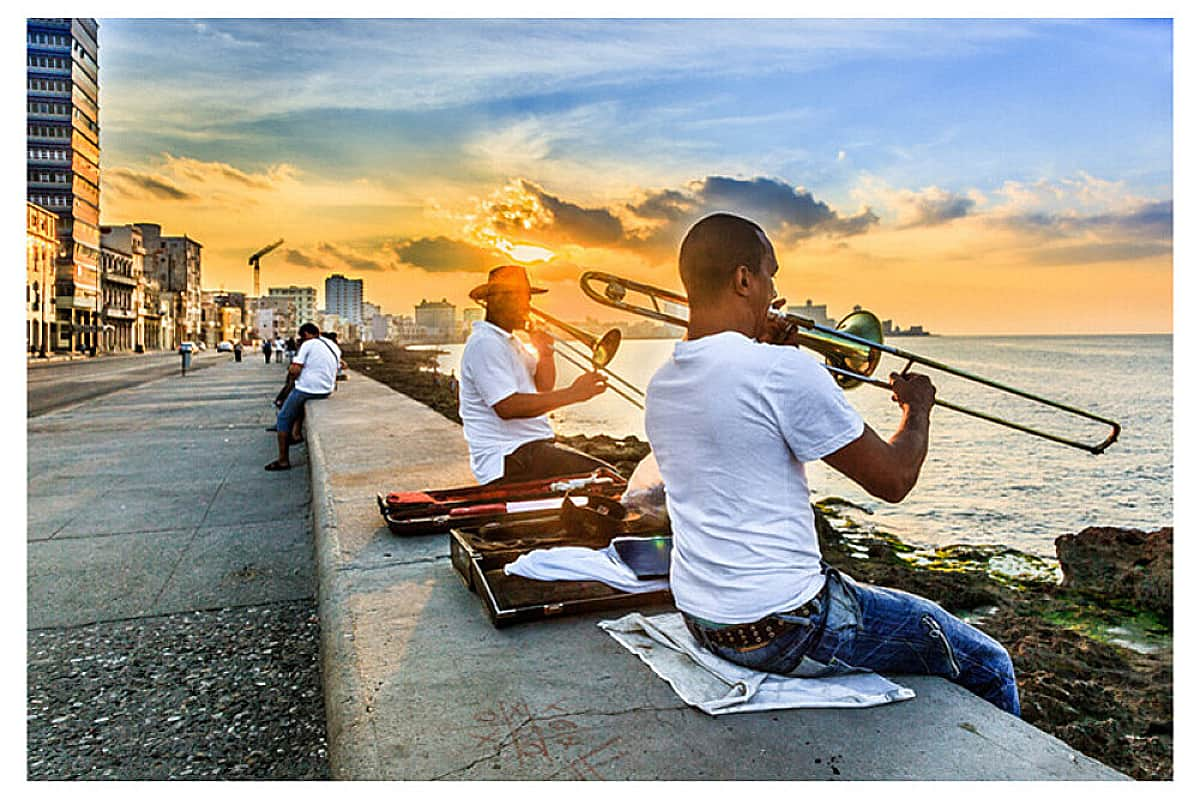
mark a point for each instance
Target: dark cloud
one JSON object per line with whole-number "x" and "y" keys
{"x": 300, "y": 259}
{"x": 937, "y": 207}
{"x": 352, "y": 260}
{"x": 596, "y": 226}
{"x": 148, "y": 184}
{"x": 442, "y": 254}
{"x": 1154, "y": 221}
{"x": 668, "y": 204}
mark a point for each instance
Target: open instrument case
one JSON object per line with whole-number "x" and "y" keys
{"x": 479, "y": 550}
{"x": 437, "y": 510}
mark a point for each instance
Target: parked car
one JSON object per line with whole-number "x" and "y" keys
{"x": 225, "y": 346}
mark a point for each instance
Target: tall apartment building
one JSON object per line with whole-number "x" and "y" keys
{"x": 41, "y": 263}
{"x": 175, "y": 262}
{"x": 122, "y": 260}
{"x": 343, "y": 296}
{"x": 305, "y": 298}
{"x": 63, "y": 163}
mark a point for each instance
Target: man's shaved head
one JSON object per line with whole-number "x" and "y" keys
{"x": 714, "y": 248}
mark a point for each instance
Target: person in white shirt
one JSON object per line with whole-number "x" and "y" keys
{"x": 732, "y": 418}
{"x": 314, "y": 370}
{"x": 505, "y": 391}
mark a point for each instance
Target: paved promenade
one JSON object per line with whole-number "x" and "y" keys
{"x": 419, "y": 685}
{"x": 153, "y": 500}
{"x": 171, "y": 613}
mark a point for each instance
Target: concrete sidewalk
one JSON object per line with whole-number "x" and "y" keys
{"x": 153, "y": 500}
{"x": 419, "y": 685}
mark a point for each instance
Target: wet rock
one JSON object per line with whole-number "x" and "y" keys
{"x": 1120, "y": 563}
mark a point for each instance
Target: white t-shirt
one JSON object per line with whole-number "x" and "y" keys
{"x": 320, "y": 358}
{"x": 495, "y": 365}
{"x": 732, "y": 422}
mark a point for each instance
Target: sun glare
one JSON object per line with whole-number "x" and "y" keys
{"x": 527, "y": 253}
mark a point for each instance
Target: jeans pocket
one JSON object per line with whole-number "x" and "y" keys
{"x": 844, "y": 610}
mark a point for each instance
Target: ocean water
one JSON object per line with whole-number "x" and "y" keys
{"x": 983, "y": 483}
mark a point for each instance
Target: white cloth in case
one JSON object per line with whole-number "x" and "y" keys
{"x": 717, "y": 686}
{"x": 582, "y": 563}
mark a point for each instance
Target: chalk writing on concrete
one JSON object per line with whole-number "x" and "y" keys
{"x": 546, "y": 739}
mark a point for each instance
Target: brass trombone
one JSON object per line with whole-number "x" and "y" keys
{"x": 852, "y": 350}
{"x": 600, "y": 349}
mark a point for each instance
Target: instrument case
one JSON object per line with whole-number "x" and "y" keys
{"x": 437, "y": 510}
{"x": 479, "y": 552}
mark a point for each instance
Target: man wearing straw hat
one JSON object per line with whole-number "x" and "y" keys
{"x": 505, "y": 391}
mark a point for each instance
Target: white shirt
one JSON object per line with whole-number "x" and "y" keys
{"x": 320, "y": 358}
{"x": 732, "y": 422}
{"x": 495, "y": 365}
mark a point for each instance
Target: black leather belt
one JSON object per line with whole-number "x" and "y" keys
{"x": 756, "y": 634}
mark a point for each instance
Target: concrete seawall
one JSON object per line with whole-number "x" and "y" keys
{"x": 419, "y": 685}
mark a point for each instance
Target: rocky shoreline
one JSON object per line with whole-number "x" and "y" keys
{"x": 1093, "y": 651}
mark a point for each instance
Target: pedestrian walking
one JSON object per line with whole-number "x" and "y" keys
{"x": 237, "y": 352}
{"x": 266, "y": 348}
{"x": 278, "y": 350}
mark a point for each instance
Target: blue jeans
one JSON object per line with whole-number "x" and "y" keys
{"x": 292, "y": 407}
{"x": 868, "y": 628}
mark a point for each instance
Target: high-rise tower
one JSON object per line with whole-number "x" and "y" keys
{"x": 63, "y": 152}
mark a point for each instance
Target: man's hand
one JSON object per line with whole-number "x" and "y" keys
{"x": 778, "y": 330}
{"x": 542, "y": 341}
{"x": 588, "y": 385}
{"x": 914, "y": 392}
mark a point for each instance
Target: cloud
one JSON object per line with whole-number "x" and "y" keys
{"x": 932, "y": 206}
{"x": 1099, "y": 252}
{"x": 353, "y": 261}
{"x": 595, "y": 226}
{"x": 788, "y": 213}
{"x": 300, "y": 259}
{"x": 1150, "y": 220}
{"x": 442, "y": 254}
{"x": 133, "y": 184}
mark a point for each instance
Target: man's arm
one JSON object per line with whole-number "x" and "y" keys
{"x": 889, "y": 469}
{"x": 544, "y": 375}
{"x": 526, "y": 406}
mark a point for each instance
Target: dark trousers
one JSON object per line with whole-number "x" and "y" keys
{"x": 539, "y": 459}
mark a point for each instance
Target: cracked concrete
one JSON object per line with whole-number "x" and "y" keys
{"x": 420, "y": 685}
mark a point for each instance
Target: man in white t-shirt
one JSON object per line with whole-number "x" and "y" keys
{"x": 732, "y": 418}
{"x": 505, "y": 391}
{"x": 314, "y": 370}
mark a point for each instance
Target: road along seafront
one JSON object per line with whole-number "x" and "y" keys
{"x": 419, "y": 684}
{"x": 172, "y": 626}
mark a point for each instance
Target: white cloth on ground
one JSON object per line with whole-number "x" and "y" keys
{"x": 582, "y": 563}
{"x": 717, "y": 686}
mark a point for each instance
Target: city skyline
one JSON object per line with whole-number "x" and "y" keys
{"x": 970, "y": 176}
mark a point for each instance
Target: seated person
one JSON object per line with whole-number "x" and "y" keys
{"x": 314, "y": 370}
{"x": 505, "y": 391}
{"x": 732, "y": 418}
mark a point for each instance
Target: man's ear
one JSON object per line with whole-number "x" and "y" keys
{"x": 741, "y": 281}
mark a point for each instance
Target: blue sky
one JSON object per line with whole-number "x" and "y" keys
{"x": 378, "y": 133}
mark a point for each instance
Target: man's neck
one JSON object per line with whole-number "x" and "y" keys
{"x": 720, "y": 319}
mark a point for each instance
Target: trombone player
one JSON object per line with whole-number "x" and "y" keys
{"x": 732, "y": 418}
{"x": 505, "y": 391}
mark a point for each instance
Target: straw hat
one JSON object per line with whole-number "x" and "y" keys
{"x": 505, "y": 278}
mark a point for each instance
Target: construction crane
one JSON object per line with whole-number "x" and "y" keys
{"x": 254, "y": 259}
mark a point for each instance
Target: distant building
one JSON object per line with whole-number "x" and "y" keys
{"x": 122, "y": 260}
{"x": 63, "y": 164}
{"x": 435, "y": 319}
{"x": 305, "y": 298}
{"x": 344, "y": 297}
{"x": 41, "y": 264}
{"x": 280, "y": 319}
{"x": 175, "y": 262}
{"x": 817, "y": 313}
